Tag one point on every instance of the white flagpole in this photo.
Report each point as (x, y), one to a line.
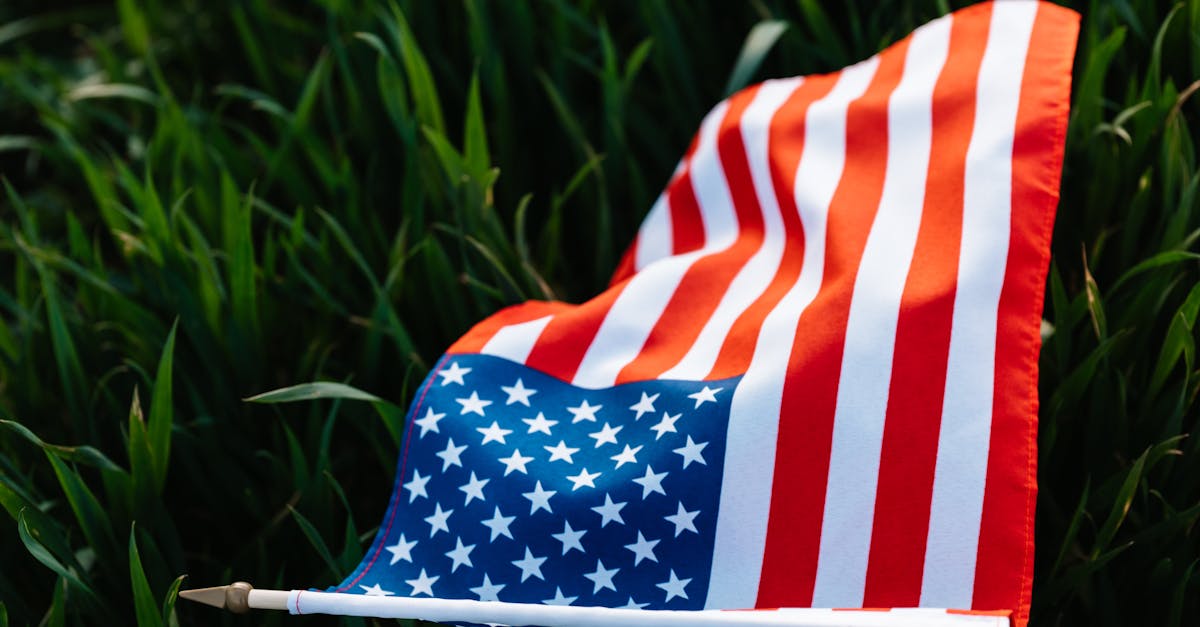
(241, 597)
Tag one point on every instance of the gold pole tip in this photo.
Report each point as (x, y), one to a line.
(234, 597)
(208, 596)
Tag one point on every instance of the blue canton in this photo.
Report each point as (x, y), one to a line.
(515, 486)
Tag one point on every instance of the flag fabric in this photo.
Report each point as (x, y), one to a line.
(812, 381)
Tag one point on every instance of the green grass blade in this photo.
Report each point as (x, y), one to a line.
(44, 528)
(40, 554)
(421, 85)
(66, 357)
(313, 391)
(86, 455)
(91, 517)
(142, 468)
(318, 543)
(475, 145)
(145, 609)
(162, 412)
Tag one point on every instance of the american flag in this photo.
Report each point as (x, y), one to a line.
(813, 379)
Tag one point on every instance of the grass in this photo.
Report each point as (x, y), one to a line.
(204, 202)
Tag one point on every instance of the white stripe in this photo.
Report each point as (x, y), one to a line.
(754, 416)
(961, 470)
(756, 275)
(654, 239)
(866, 371)
(515, 341)
(508, 613)
(637, 308)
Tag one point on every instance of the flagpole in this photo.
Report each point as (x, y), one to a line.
(241, 597)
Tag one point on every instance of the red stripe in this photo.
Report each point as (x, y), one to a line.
(702, 286)
(910, 433)
(627, 266)
(1004, 566)
(475, 339)
(786, 144)
(687, 227)
(806, 416)
(565, 340)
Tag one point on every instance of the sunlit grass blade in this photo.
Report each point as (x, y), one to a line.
(313, 391)
(756, 47)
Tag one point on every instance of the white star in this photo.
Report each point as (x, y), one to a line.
(627, 456)
(584, 412)
(473, 489)
(666, 425)
(539, 498)
(602, 578)
(451, 455)
(644, 405)
(584, 478)
(609, 511)
(605, 434)
(559, 599)
(487, 591)
(472, 404)
(633, 605)
(429, 422)
(570, 538)
(516, 461)
(530, 566)
(416, 487)
(691, 452)
(499, 525)
(517, 393)
(674, 587)
(562, 451)
(453, 374)
(683, 520)
(376, 591)
(422, 584)
(651, 482)
(461, 555)
(539, 423)
(703, 396)
(437, 522)
(401, 550)
(493, 433)
(642, 549)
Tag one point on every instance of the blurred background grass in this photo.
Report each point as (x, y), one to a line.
(207, 200)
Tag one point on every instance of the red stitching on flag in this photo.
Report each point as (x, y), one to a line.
(403, 465)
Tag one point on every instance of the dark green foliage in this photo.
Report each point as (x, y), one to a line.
(206, 201)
